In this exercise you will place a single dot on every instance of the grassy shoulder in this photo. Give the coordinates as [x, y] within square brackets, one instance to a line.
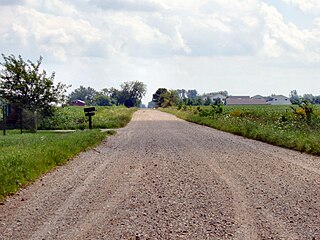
[278, 125]
[74, 118]
[25, 157]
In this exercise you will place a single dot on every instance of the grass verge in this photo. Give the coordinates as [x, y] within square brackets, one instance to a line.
[73, 118]
[277, 125]
[25, 157]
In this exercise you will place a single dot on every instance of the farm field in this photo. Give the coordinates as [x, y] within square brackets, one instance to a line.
[278, 125]
[72, 117]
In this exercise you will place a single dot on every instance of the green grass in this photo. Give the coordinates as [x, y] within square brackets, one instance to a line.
[277, 125]
[73, 118]
[25, 157]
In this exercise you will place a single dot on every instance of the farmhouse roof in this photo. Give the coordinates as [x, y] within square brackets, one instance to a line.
[239, 97]
[279, 96]
[245, 101]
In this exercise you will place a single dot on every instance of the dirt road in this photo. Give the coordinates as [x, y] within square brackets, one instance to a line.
[164, 178]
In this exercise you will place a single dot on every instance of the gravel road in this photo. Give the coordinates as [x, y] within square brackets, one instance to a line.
[164, 178]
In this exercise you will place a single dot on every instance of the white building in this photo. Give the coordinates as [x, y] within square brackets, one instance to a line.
[279, 100]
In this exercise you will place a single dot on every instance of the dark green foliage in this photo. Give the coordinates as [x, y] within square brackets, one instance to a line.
[131, 93]
[305, 111]
[25, 86]
[158, 97]
[170, 98]
[86, 94]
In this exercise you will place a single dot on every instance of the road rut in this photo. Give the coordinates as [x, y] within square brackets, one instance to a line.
[163, 178]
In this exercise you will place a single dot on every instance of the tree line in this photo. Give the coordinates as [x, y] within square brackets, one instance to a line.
[27, 87]
[167, 98]
[130, 95]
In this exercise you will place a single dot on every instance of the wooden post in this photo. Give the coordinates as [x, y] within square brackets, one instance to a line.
[90, 122]
[20, 120]
[4, 119]
[89, 112]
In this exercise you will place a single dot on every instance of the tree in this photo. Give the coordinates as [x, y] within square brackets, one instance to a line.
[182, 93]
[86, 94]
[170, 98]
[131, 93]
[294, 97]
[25, 85]
[207, 101]
[101, 100]
[192, 94]
[158, 97]
[309, 97]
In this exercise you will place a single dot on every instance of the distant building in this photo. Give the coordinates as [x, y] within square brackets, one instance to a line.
[214, 97]
[78, 102]
[245, 100]
[279, 100]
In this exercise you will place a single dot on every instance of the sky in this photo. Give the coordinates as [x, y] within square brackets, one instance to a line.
[246, 47]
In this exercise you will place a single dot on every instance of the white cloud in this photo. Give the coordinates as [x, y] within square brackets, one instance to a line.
[160, 41]
[312, 6]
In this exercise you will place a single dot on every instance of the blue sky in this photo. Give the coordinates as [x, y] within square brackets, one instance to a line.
[246, 47]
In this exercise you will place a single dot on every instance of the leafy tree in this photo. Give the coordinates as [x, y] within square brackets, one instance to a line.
[23, 83]
[158, 97]
[192, 94]
[182, 93]
[207, 101]
[198, 101]
[309, 97]
[170, 98]
[294, 97]
[86, 94]
[102, 100]
[131, 93]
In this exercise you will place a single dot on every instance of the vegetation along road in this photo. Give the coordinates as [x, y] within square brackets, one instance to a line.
[164, 178]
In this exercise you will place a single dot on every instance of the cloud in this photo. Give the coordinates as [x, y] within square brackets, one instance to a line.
[161, 41]
[306, 6]
[127, 5]
[10, 2]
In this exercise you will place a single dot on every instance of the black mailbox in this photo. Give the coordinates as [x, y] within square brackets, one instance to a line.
[89, 109]
[89, 112]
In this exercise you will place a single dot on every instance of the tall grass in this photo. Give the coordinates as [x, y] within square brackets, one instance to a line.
[24, 157]
[74, 118]
[278, 125]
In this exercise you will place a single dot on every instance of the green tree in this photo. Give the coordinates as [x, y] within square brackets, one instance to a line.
[131, 93]
[170, 98]
[294, 97]
[207, 101]
[158, 97]
[86, 94]
[192, 94]
[24, 84]
[102, 100]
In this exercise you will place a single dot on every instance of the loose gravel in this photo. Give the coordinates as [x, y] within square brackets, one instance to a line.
[164, 178]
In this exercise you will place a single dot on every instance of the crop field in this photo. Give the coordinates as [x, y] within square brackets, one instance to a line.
[296, 128]
[74, 118]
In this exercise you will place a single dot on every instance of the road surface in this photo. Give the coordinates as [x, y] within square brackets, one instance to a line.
[164, 178]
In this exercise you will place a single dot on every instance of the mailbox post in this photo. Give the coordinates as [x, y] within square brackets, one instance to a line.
[89, 112]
